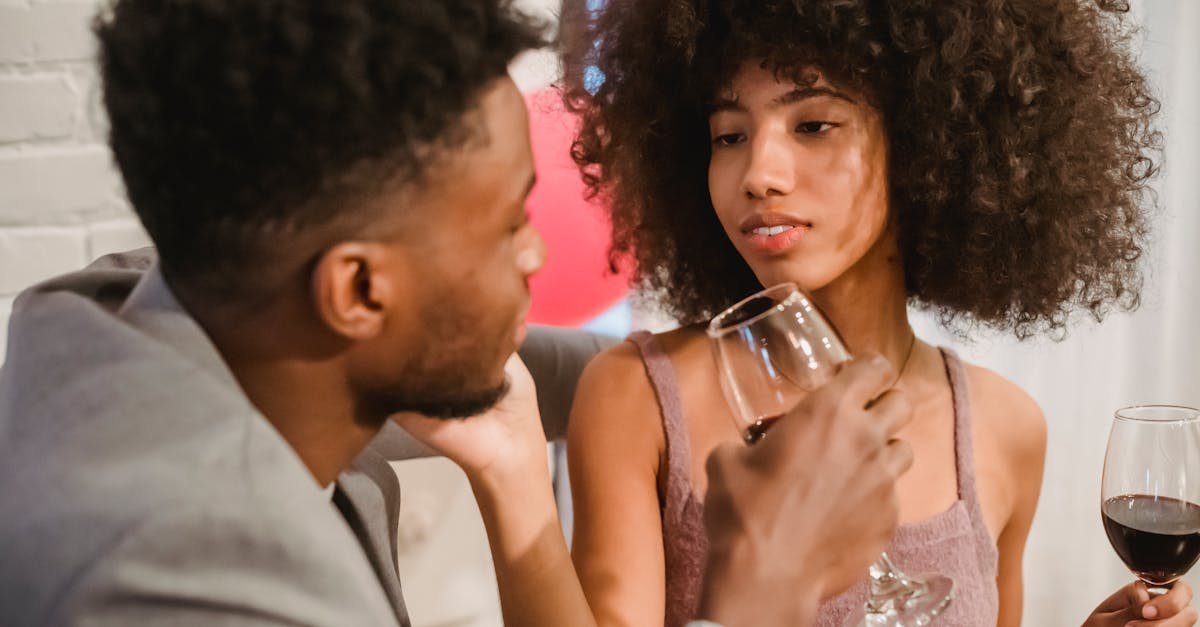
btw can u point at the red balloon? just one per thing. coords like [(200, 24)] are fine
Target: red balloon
[(575, 285)]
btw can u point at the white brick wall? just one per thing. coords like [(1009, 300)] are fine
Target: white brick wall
[(61, 199), (46, 30), (40, 106)]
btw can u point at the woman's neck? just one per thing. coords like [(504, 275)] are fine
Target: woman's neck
[(868, 305)]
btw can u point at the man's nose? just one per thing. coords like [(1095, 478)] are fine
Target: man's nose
[(532, 256)]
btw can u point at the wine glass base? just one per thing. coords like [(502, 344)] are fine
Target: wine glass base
[(932, 595)]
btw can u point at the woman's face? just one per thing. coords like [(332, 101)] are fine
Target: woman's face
[(798, 176)]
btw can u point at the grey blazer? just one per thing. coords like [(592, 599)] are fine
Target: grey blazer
[(139, 486)]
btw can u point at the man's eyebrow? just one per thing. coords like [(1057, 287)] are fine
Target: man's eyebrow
[(522, 200)]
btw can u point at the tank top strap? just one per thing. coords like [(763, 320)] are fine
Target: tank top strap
[(964, 450), (663, 380), (964, 455)]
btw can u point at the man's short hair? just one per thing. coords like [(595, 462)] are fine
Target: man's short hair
[(238, 122)]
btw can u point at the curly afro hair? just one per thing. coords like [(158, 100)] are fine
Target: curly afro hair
[(234, 121), (1019, 132)]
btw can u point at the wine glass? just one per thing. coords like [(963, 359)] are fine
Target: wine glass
[(1150, 495), (771, 349)]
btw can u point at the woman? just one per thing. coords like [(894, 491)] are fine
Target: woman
[(985, 160)]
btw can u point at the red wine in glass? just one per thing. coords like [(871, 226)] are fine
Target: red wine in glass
[(1157, 538), (1150, 492), (758, 428)]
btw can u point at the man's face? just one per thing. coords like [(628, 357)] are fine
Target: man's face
[(475, 252)]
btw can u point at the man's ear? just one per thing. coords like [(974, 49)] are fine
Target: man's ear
[(354, 288)]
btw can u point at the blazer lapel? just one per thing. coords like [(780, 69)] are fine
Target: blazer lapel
[(368, 495)]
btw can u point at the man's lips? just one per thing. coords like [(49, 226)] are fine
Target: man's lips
[(773, 233)]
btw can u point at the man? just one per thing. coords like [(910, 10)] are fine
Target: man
[(336, 189)]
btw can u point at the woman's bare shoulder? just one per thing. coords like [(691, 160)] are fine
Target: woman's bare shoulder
[(623, 363), (615, 394), (615, 408), (1008, 416)]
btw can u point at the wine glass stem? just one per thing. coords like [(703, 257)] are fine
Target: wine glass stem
[(1157, 590), (890, 587)]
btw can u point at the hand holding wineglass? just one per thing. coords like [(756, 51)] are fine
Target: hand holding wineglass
[(798, 516), (774, 349), (1133, 605)]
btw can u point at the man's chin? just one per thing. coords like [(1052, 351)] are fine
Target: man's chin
[(462, 405)]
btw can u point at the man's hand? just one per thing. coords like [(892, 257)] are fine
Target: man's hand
[(504, 440), (1131, 606), (803, 513)]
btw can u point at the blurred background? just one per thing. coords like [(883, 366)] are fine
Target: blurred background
[(61, 205)]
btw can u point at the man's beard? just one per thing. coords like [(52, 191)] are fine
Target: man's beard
[(446, 378), (461, 406), (443, 404)]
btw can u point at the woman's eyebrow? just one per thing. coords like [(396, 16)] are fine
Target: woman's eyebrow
[(790, 97)]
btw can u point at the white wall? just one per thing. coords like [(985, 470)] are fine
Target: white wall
[(62, 203), (61, 200)]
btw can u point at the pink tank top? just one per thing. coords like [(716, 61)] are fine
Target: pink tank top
[(955, 542)]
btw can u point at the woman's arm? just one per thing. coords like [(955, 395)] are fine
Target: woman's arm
[(1023, 444), (614, 442), (503, 453)]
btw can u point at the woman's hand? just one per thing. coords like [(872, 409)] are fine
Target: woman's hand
[(503, 453), (504, 440), (1132, 606)]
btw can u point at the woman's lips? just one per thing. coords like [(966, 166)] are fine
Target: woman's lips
[(776, 239)]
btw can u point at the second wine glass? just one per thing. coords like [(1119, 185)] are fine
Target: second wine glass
[(1150, 495), (771, 349)]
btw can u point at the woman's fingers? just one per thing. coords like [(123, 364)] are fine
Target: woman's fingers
[(1169, 604), (1185, 618)]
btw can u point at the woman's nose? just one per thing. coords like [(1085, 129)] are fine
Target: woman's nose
[(771, 168)]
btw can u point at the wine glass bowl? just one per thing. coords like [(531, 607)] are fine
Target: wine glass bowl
[(771, 349), (1150, 493)]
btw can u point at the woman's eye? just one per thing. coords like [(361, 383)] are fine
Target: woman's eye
[(728, 139), (813, 128)]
